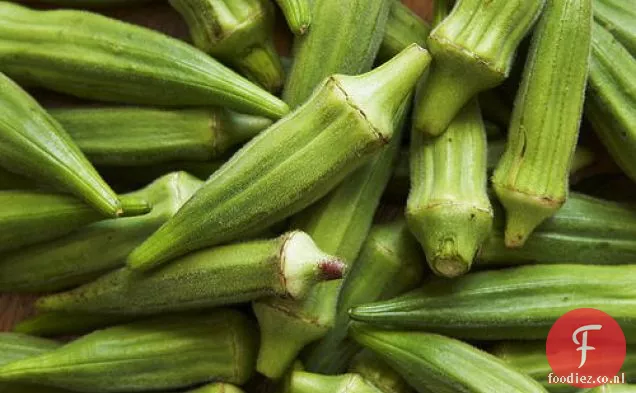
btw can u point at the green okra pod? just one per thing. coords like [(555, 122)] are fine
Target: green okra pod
[(611, 101), (162, 353), (132, 137), (306, 382), (620, 388), (86, 3), (448, 209), (29, 217), (434, 363), (617, 17), (33, 144), (237, 32), (293, 163), (473, 50), (520, 303), (217, 388), (104, 59), (52, 324), (84, 255), (585, 230), (297, 13), (531, 180), (344, 39), (285, 266), (378, 373), (403, 28)]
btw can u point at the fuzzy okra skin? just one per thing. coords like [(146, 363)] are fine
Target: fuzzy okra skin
[(33, 144), (611, 100), (585, 230), (403, 28), (375, 370), (52, 324), (237, 32), (618, 17), (168, 352), (531, 180), (473, 50), (293, 163), (434, 363), (306, 382), (520, 303), (104, 59), (448, 209), (297, 13), (128, 136), (344, 39), (285, 266), (29, 217), (84, 255)]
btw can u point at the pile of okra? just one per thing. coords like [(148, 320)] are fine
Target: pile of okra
[(395, 206)]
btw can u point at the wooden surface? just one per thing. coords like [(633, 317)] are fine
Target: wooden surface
[(14, 308)]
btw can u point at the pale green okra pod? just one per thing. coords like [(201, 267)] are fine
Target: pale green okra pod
[(379, 373), (403, 28), (297, 13), (618, 17), (306, 382)]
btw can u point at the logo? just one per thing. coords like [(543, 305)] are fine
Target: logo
[(585, 348)]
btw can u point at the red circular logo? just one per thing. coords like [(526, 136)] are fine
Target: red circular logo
[(586, 348)]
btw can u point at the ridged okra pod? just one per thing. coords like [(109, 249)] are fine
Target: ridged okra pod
[(529, 357), (448, 208), (617, 17), (167, 352), (473, 50), (293, 163), (339, 224), (104, 59), (434, 363), (53, 324), (29, 217), (237, 32), (93, 250), (585, 230), (297, 13), (379, 373), (140, 136), (403, 28), (344, 39), (285, 266), (33, 144), (611, 101), (531, 180), (306, 382), (389, 264), (517, 303), (217, 388)]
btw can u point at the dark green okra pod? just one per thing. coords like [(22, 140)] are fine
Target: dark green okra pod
[(52, 324), (611, 99), (297, 13), (293, 163), (448, 208), (86, 3), (531, 180), (473, 49), (306, 382), (286, 266), (618, 17), (29, 217), (375, 370), (140, 136), (84, 255), (344, 39), (104, 59), (433, 363), (403, 28), (33, 144), (237, 32), (167, 352), (520, 303)]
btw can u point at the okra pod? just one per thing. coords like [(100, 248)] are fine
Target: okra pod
[(285, 266), (305, 382), (531, 180), (86, 3), (237, 32), (618, 18), (217, 388), (473, 50), (29, 217), (161, 353), (139, 136), (622, 388), (104, 59), (448, 209), (297, 13), (344, 39), (84, 255), (403, 28), (293, 163), (379, 373), (34, 145), (53, 324), (520, 303), (434, 363), (611, 101)]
